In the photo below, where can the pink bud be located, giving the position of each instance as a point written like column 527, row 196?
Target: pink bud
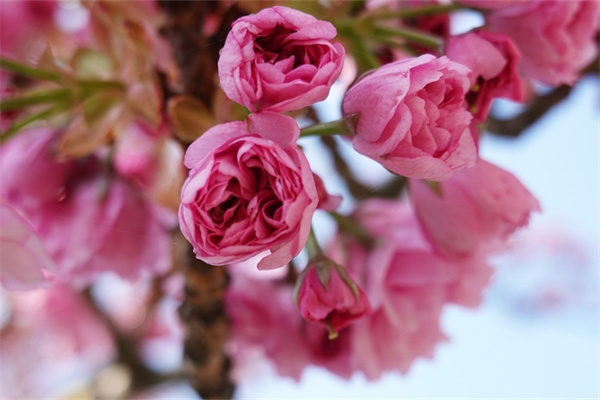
column 327, row 297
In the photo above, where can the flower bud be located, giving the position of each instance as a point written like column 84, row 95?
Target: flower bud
column 327, row 294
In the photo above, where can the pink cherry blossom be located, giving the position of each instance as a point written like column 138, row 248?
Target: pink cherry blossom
column 406, row 283
column 492, row 58
column 556, row 37
column 479, row 205
column 412, row 117
column 23, row 258
column 325, row 297
column 266, row 323
column 37, row 16
column 151, row 160
column 279, row 59
column 52, row 336
column 104, row 226
column 250, row 189
column 89, row 221
column 32, row 175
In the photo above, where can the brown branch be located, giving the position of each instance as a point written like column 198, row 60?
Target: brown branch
column 206, row 326
column 356, row 188
column 195, row 53
column 127, row 352
column 203, row 310
column 391, row 189
column 515, row 126
column 536, row 109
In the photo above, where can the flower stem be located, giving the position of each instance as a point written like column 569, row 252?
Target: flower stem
column 338, row 127
column 26, row 70
column 364, row 57
column 416, row 12
column 96, row 85
column 347, row 224
column 312, row 246
column 40, row 97
column 413, row 36
column 47, row 113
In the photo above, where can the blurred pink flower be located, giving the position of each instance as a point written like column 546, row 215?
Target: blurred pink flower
column 266, row 322
column 152, row 160
column 104, row 225
column 556, row 37
column 478, row 206
column 23, row 25
column 406, row 283
column 492, row 58
column 23, row 258
column 87, row 220
column 32, row 175
column 279, row 59
column 52, row 336
column 412, row 119
column 325, row 297
column 250, row 189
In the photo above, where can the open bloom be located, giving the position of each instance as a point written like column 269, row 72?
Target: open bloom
column 555, row 37
column 250, row 189
column 412, row 117
column 479, row 205
column 406, row 282
column 279, row 59
column 325, row 296
column 492, row 58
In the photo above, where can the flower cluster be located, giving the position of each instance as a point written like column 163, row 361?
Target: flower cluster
column 110, row 142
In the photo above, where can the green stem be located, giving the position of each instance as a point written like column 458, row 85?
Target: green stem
column 413, row 36
column 349, row 225
column 26, row 70
column 365, row 60
column 94, row 85
column 312, row 246
column 47, row 113
column 338, row 127
column 40, row 97
column 416, row 12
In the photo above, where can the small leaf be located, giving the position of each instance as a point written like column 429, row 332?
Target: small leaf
column 145, row 100
column 189, row 117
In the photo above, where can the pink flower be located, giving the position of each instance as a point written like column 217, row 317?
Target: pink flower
column 37, row 16
column 279, row 59
column 103, row 226
column 265, row 322
column 51, row 336
column 492, row 58
column 406, row 282
column 88, row 221
column 264, row 316
column 325, row 296
column 31, row 173
column 480, row 205
column 250, row 189
column 150, row 159
column 23, row 258
column 412, row 117
column 556, row 38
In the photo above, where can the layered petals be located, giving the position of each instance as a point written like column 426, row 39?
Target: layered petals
column 412, row 117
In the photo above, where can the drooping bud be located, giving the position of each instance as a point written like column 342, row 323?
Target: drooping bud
column 327, row 294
